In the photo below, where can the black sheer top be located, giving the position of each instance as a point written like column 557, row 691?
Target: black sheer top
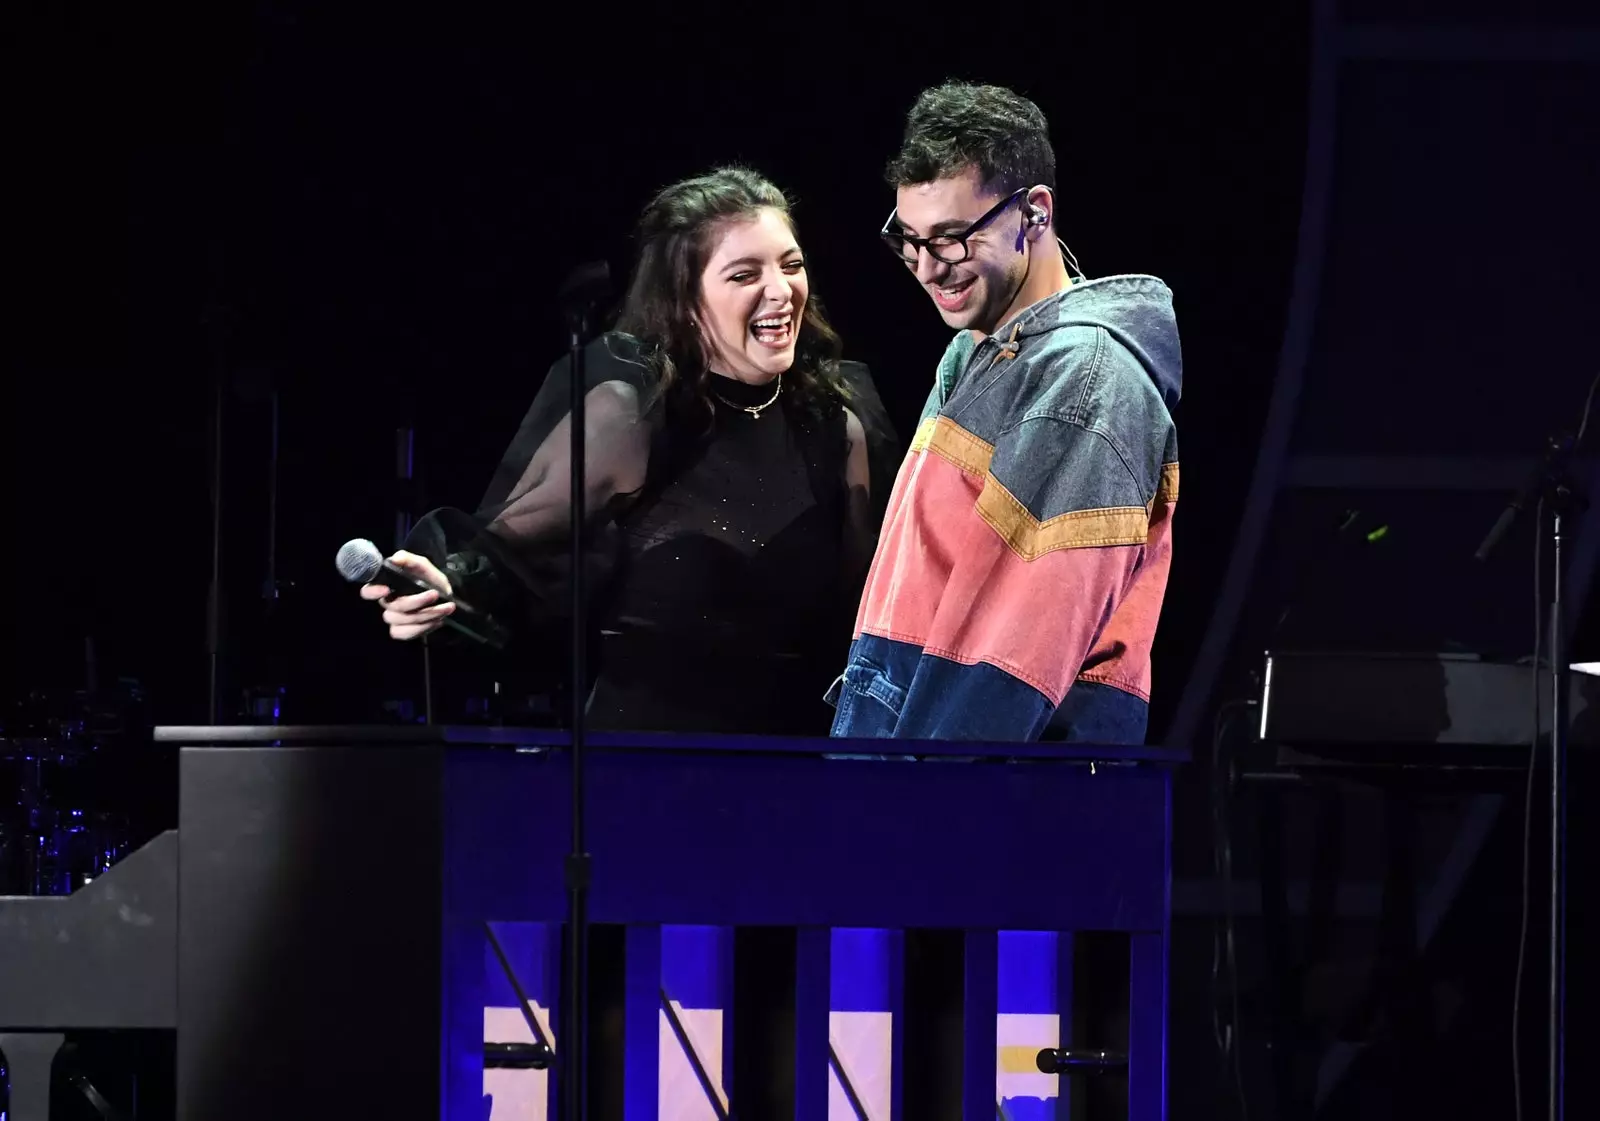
column 725, row 558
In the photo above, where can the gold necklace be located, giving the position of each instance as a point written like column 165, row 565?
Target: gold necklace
column 753, row 410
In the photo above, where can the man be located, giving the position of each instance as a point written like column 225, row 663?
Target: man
column 1023, row 559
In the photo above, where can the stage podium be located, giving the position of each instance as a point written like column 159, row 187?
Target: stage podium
column 335, row 884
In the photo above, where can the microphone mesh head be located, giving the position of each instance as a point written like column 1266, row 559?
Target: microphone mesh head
column 359, row 560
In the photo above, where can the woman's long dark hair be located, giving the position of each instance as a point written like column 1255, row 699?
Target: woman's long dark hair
column 676, row 235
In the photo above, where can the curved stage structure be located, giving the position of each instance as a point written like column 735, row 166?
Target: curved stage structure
column 1448, row 235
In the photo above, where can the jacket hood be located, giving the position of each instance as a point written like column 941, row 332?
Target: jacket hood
column 1135, row 310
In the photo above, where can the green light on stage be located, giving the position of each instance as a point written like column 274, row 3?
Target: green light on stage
column 1378, row 534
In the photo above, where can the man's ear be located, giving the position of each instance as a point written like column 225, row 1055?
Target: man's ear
column 1039, row 207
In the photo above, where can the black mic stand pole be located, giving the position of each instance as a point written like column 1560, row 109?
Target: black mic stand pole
column 1558, row 493
column 218, row 320
column 1552, row 487
column 579, row 295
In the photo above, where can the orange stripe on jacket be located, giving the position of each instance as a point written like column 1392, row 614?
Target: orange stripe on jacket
column 1047, row 602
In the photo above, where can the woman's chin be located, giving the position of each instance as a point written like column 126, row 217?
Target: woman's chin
column 768, row 364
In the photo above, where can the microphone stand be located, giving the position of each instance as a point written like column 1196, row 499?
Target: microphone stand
column 1552, row 486
column 579, row 295
column 218, row 320
column 1560, row 674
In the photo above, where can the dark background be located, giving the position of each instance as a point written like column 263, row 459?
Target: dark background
column 379, row 209
column 367, row 211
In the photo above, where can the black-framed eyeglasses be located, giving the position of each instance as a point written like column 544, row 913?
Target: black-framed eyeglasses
column 952, row 249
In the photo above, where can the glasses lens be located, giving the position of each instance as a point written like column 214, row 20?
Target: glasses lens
column 900, row 247
column 950, row 250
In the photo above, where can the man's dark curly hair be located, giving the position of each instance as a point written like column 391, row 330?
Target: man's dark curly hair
column 959, row 125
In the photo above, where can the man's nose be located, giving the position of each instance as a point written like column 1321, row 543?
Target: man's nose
column 930, row 269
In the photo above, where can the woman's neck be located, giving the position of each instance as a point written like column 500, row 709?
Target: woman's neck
column 743, row 393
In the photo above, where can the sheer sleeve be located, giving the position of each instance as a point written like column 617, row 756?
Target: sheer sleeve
column 511, row 556
column 619, row 384
column 872, row 458
column 883, row 448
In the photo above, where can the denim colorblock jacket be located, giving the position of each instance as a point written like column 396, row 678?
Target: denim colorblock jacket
column 1023, row 559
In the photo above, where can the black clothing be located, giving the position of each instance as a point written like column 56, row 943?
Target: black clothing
column 723, row 563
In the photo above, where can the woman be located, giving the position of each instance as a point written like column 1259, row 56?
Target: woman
column 729, row 474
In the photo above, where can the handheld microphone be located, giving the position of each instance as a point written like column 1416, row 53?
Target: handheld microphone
column 360, row 563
